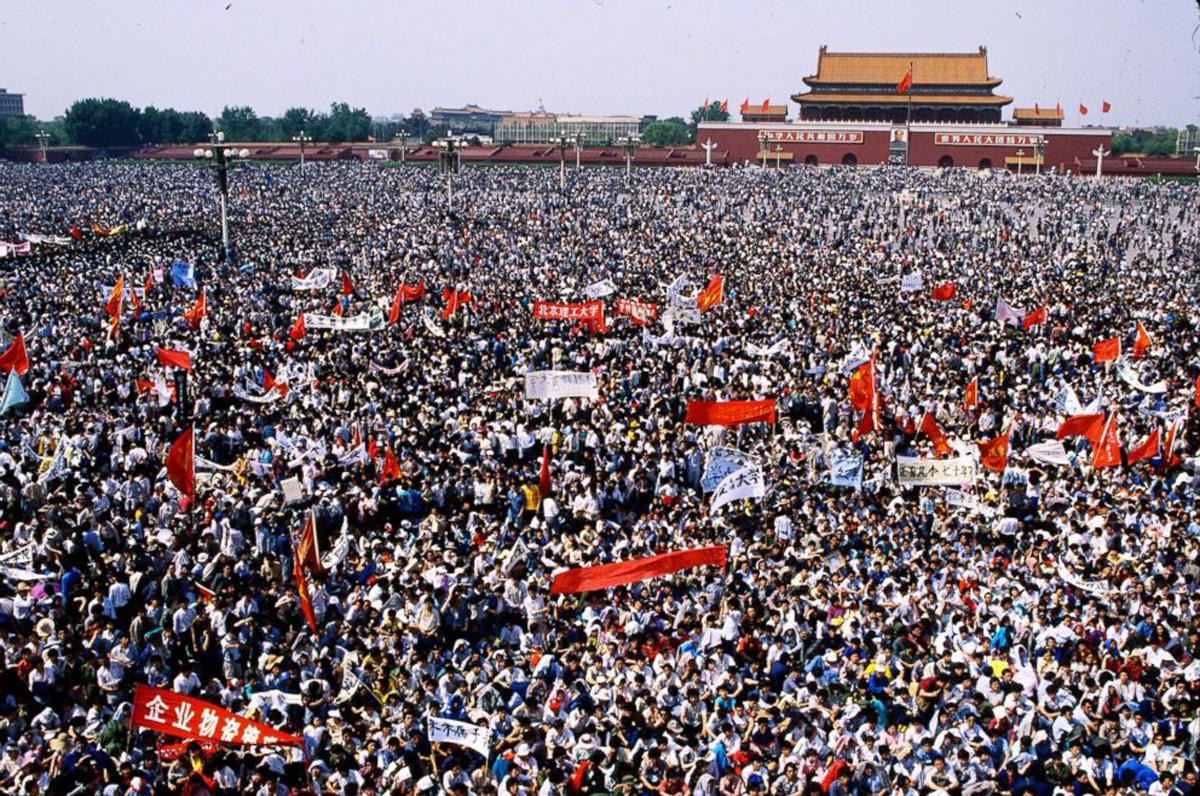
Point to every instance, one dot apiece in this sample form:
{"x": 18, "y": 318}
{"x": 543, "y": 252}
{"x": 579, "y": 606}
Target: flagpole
{"x": 908, "y": 115}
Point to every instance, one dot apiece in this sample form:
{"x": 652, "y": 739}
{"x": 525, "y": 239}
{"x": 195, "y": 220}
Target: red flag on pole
{"x": 113, "y": 305}
{"x": 1108, "y": 452}
{"x": 905, "y": 82}
{"x": 766, "y": 106}
{"x": 729, "y": 413}
{"x": 1141, "y": 341}
{"x": 1035, "y": 318}
{"x": 1169, "y": 459}
{"x": 930, "y": 428}
{"x": 606, "y": 576}
{"x": 1105, "y": 107}
{"x": 1037, "y": 109}
{"x": 745, "y": 105}
{"x": 302, "y": 592}
{"x": 971, "y": 395}
{"x": 181, "y": 468}
{"x": 391, "y": 467}
{"x": 1147, "y": 450}
{"x": 347, "y": 286}
{"x": 544, "y": 475}
{"x": 307, "y": 549}
{"x": 1082, "y": 109}
{"x": 182, "y": 716}
{"x": 1088, "y": 426}
{"x": 945, "y": 292}
{"x": 993, "y": 453}
{"x": 725, "y": 105}
{"x": 198, "y": 311}
{"x": 712, "y": 295}
{"x": 14, "y": 357}
{"x": 1106, "y": 350}
{"x": 297, "y": 331}
{"x": 170, "y": 358}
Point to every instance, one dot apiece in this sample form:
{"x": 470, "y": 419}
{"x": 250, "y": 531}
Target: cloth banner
{"x": 269, "y": 397}
{"x": 757, "y": 351}
{"x": 432, "y": 327}
{"x": 743, "y": 484}
{"x": 846, "y": 469}
{"x": 183, "y": 716}
{"x": 596, "y": 290}
{"x": 606, "y": 576}
{"x": 721, "y": 462}
{"x": 8, "y": 249}
{"x": 183, "y": 274}
{"x": 915, "y": 471}
{"x": 1091, "y": 586}
{"x": 371, "y": 321}
{"x": 681, "y": 316}
{"x": 51, "y": 240}
{"x": 912, "y": 283}
{"x": 729, "y": 413}
{"x": 642, "y": 313}
{"x": 377, "y": 368}
{"x": 1128, "y": 375}
{"x": 459, "y": 732}
{"x": 667, "y": 339}
{"x": 1049, "y": 452}
{"x": 319, "y": 279}
{"x": 965, "y": 500}
{"x": 558, "y": 311}
{"x": 549, "y": 385}
{"x": 675, "y": 292}
{"x": 1067, "y": 402}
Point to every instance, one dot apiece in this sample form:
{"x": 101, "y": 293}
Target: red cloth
{"x": 1147, "y": 450}
{"x": 113, "y": 305}
{"x": 1106, "y": 350}
{"x": 454, "y": 299}
{"x": 306, "y": 548}
{"x": 712, "y": 295}
{"x": 729, "y": 413}
{"x": 862, "y": 385}
{"x": 905, "y": 82}
{"x": 930, "y": 428}
{"x": 766, "y": 106}
{"x": 971, "y": 395}
{"x": 297, "y": 331}
{"x": 182, "y": 716}
{"x": 725, "y": 105}
{"x": 605, "y": 576}
{"x": 198, "y": 311}
{"x": 1141, "y": 341}
{"x": 306, "y": 608}
{"x": 181, "y": 467}
{"x": 1105, "y": 106}
{"x": 170, "y": 358}
{"x": 1169, "y": 459}
{"x": 174, "y": 751}
{"x": 1035, "y": 318}
{"x": 1090, "y": 426}
{"x": 945, "y": 292}
{"x": 404, "y": 294}
{"x": 544, "y": 475}
{"x": 1107, "y": 452}
{"x": 640, "y": 312}
{"x": 347, "y": 285}
{"x": 562, "y": 311}
{"x": 993, "y": 453}
{"x": 14, "y": 357}
{"x": 1082, "y": 109}
{"x": 391, "y": 467}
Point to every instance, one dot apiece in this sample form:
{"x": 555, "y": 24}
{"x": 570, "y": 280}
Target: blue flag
{"x": 14, "y": 393}
{"x": 183, "y": 274}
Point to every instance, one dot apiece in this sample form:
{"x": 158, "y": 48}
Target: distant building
{"x": 862, "y": 87}
{"x": 542, "y": 128}
{"x": 755, "y": 113}
{"x": 1037, "y": 116}
{"x": 467, "y": 119}
{"x": 11, "y": 104}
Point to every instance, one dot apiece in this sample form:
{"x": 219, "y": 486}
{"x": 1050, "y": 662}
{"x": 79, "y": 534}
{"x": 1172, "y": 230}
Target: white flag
{"x": 912, "y": 283}
{"x": 743, "y": 484}
{"x": 459, "y": 732}
{"x": 1067, "y": 402}
{"x": 720, "y": 463}
{"x": 604, "y": 287}
{"x": 549, "y": 385}
{"x": 1006, "y": 314}
{"x": 1049, "y": 452}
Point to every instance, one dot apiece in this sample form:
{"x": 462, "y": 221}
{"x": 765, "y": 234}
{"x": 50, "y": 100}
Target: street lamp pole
{"x": 302, "y": 139}
{"x": 43, "y": 138}
{"x": 578, "y": 151}
{"x": 629, "y": 144}
{"x": 1020, "y": 160}
{"x": 219, "y": 155}
{"x": 448, "y": 158}
{"x": 762, "y": 147}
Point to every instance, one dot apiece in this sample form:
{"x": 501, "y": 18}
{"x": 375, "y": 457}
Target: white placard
{"x": 965, "y": 500}
{"x": 549, "y": 385}
{"x": 720, "y": 463}
{"x": 459, "y": 732}
{"x": 740, "y": 485}
{"x": 319, "y": 279}
{"x": 604, "y": 287}
{"x": 912, "y": 283}
{"x": 846, "y": 469}
{"x": 914, "y": 471}
{"x": 363, "y": 322}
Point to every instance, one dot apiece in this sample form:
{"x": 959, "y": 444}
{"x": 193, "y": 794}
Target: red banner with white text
{"x": 558, "y": 311}
{"x": 183, "y": 716}
{"x": 642, "y": 313}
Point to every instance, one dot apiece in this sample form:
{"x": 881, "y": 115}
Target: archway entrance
{"x": 848, "y": 159}
{"x": 945, "y": 162}
{"x": 986, "y": 163}
{"x": 811, "y": 160}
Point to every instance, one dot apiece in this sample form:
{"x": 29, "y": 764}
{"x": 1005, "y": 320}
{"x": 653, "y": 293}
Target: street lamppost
{"x": 1099, "y": 152}
{"x": 403, "y": 139}
{"x": 629, "y": 143}
{"x": 302, "y": 139}
{"x": 562, "y": 143}
{"x": 578, "y": 150}
{"x": 448, "y": 159}
{"x": 1039, "y": 152}
{"x": 763, "y": 148}
{"x": 219, "y": 155}
{"x": 1020, "y": 160}
{"x": 778, "y": 156}
{"x": 43, "y": 138}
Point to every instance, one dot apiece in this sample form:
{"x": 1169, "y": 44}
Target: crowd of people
{"x": 1038, "y": 636}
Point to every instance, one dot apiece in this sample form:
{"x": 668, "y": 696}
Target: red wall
{"x": 1061, "y": 150}
{"x": 742, "y": 144}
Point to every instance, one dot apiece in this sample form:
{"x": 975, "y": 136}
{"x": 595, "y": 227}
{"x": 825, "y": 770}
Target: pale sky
{"x": 589, "y": 56}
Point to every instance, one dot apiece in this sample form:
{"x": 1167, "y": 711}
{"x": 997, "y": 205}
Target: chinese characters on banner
{"x": 722, "y": 462}
{"x": 985, "y": 139}
{"x": 186, "y": 717}
{"x": 604, "y": 287}
{"x": 319, "y": 279}
{"x": 459, "y": 732}
{"x": 816, "y": 136}
{"x": 556, "y": 311}
{"x": 743, "y": 484}
{"x": 846, "y": 469}
{"x": 371, "y": 321}
{"x": 965, "y": 500}
{"x": 549, "y": 385}
{"x": 913, "y": 471}
{"x": 640, "y": 312}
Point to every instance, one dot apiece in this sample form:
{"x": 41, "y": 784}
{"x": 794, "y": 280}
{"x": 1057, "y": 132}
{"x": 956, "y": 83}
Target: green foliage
{"x": 240, "y": 124}
{"x": 103, "y": 123}
{"x": 346, "y": 124}
{"x": 170, "y": 126}
{"x": 1157, "y": 142}
{"x": 18, "y": 131}
{"x": 668, "y": 132}
{"x": 709, "y": 113}
{"x": 417, "y": 124}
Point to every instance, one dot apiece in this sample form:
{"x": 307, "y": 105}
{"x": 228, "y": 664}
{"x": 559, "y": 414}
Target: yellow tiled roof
{"x": 928, "y": 68}
{"x": 902, "y": 99}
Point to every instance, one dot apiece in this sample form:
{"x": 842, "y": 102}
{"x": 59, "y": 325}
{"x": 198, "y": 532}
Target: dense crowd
{"x": 1042, "y": 639}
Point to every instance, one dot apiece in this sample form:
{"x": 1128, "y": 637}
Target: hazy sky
{"x": 591, "y": 56}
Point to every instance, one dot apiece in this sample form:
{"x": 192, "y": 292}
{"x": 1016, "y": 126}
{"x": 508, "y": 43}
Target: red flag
{"x": 337, "y": 309}
{"x": 113, "y": 305}
{"x": 297, "y": 331}
{"x": 1087, "y": 426}
{"x": 14, "y": 357}
{"x": 1106, "y": 350}
{"x": 146, "y": 288}
{"x": 725, "y": 105}
{"x": 640, "y": 312}
{"x": 729, "y": 413}
{"x": 404, "y": 294}
{"x": 1082, "y": 109}
{"x": 347, "y": 286}
{"x": 1105, "y": 107}
{"x": 206, "y": 594}
{"x": 971, "y": 395}
{"x": 1036, "y": 318}
{"x": 306, "y": 548}
{"x": 544, "y": 475}
{"x": 302, "y": 592}
{"x": 1195, "y": 387}
{"x": 1169, "y": 459}
{"x": 1141, "y": 341}
{"x": 745, "y": 105}
{"x": 905, "y": 82}
{"x": 391, "y": 467}
{"x": 174, "y": 751}
{"x": 1147, "y": 450}
{"x": 766, "y": 106}
{"x": 182, "y": 716}
{"x": 175, "y": 359}
{"x": 712, "y": 295}
{"x": 454, "y": 299}
{"x": 945, "y": 292}
{"x": 198, "y": 311}
{"x": 993, "y": 453}
{"x": 76, "y": 233}
{"x": 606, "y": 576}
{"x": 862, "y": 385}
{"x": 181, "y": 468}
{"x": 1037, "y": 109}
{"x": 930, "y": 428}
{"x": 1108, "y": 452}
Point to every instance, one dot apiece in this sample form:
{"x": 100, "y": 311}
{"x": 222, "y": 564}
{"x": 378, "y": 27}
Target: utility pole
{"x": 629, "y": 143}
{"x": 43, "y": 138}
{"x": 302, "y": 139}
{"x": 219, "y": 155}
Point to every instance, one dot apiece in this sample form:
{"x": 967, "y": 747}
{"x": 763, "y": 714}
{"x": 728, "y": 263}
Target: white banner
{"x": 266, "y": 398}
{"x": 914, "y": 471}
{"x": 1167, "y": 415}
{"x": 1130, "y": 377}
{"x": 720, "y": 463}
{"x": 319, "y": 279}
{"x": 363, "y": 322}
{"x": 52, "y": 240}
{"x": 676, "y": 315}
{"x": 676, "y": 288}
{"x": 757, "y": 351}
{"x": 912, "y": 283}
{"x": 432, "y": 327}
{"x": 604, "y": 287}
{"x": 846, "y": 469}
{"x": 965, "y": 500}
{"x": 459, "y": 732}
{"x": 740, "y": 485}
{"x": 1091, "y": 586}
{"x": 667, "y": 339}
{"x": 549, "y": 385}
{"x": 1067, "y": 402}
{"x": 1049, "y": 452}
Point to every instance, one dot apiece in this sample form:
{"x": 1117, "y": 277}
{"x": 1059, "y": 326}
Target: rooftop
{"x": 930, "y": 69}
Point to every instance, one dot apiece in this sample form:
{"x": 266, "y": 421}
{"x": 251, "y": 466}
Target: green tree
{"x": 417, "y": 124}
{"x": 295, "y": 120}
{"x": 709, "y": 113}
{"x": 194, "y": 127}
{"x": 18, "y": 131}
{"x": 1158, "y": 142}
{"x": 347, "y": 124}
{"x": 667, "y": 132}
{"x": 102, "y": 122}
{"x": 240, "y": 124}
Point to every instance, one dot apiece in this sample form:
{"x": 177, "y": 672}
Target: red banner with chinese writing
{"x": 605, "y": 576}
{"x": 557, "y": 311}
{"x": 730, "y": 413}
{"x": 183, "y": 716}
{"x": 640, "y": 312}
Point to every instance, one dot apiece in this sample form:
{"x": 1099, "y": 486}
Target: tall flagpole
{"x": 908, "y": 116}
